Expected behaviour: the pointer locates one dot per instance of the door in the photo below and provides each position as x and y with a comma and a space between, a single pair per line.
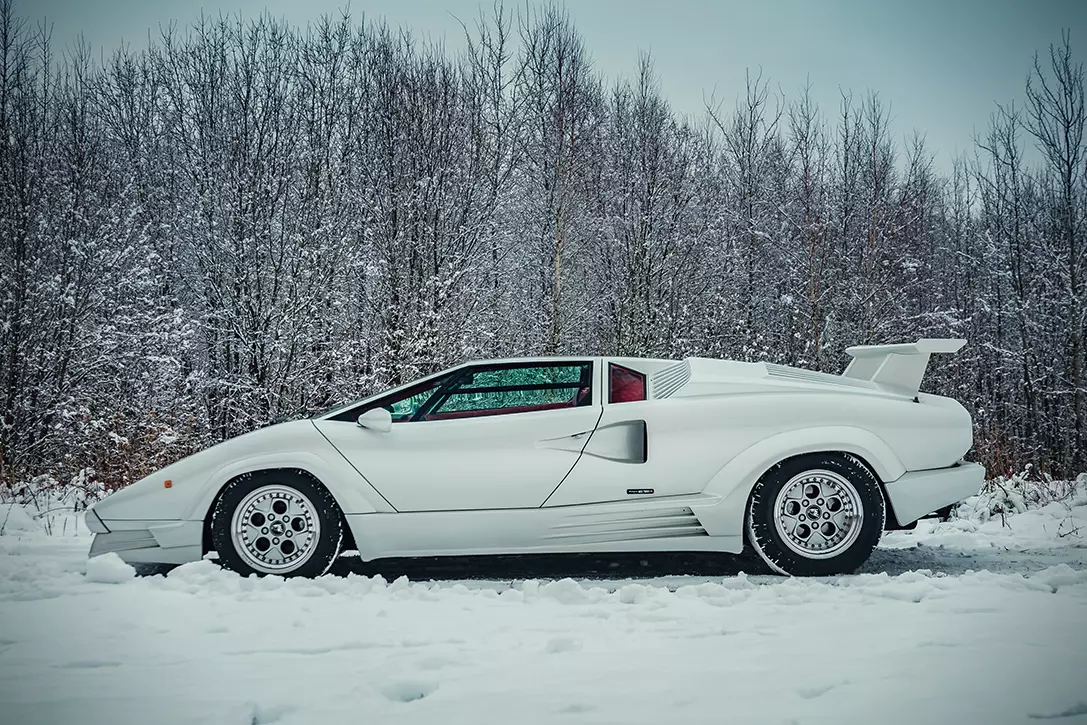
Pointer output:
643, 448
493, 436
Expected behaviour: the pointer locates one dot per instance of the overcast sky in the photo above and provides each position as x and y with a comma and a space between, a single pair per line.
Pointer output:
940, 64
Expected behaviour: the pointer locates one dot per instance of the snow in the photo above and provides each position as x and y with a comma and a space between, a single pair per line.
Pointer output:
967, 621
15, 519
109, 569
1056, 524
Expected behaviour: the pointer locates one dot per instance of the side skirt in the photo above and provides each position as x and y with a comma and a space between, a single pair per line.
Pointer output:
650, 525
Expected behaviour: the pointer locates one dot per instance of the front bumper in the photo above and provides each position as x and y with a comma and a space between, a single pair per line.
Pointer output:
149, 542
919, 493
94, 522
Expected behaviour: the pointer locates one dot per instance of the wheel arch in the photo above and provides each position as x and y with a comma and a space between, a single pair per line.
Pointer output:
889, 521
735, 481
206, 536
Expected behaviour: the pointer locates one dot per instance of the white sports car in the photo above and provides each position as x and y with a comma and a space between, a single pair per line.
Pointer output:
577, 454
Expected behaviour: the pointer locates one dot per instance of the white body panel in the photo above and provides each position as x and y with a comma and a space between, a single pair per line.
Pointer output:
497, 462
654, 525
672, 472
196, 480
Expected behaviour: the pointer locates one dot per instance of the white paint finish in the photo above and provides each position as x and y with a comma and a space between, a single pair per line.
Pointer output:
116, 525
621, 442
898, 367
488, 485
376, 419
687, 444
693, 440
734, 482
492, 462
571, 443
156, 555
645, 365
922, 492
665, 382
183, 533
136, 549
122, 541
197, 479
638, 525
94, 524
931, 433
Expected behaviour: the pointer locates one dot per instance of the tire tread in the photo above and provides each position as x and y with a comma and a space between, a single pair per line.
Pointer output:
762, 534
332, 523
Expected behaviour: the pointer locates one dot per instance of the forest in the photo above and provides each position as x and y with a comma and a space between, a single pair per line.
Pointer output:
248, 220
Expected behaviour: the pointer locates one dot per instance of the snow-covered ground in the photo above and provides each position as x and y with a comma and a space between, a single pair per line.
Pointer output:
969, 621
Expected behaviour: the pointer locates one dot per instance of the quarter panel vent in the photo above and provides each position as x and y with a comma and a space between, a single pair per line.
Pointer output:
666, 381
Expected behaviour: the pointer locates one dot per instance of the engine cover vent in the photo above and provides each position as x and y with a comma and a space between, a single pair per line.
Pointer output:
812, 376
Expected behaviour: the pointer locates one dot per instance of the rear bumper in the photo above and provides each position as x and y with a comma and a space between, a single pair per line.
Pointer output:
919, 493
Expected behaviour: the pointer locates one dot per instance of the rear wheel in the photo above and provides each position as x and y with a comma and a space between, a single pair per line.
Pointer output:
816, 515
277, 522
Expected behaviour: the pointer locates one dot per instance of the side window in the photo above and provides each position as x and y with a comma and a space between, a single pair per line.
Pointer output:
408, 403
518, 388
403, 404
625, 385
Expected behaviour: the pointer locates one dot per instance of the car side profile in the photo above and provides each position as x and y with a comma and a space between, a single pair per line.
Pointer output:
571, 455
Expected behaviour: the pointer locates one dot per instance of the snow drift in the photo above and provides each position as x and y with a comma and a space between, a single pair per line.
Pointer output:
976, 619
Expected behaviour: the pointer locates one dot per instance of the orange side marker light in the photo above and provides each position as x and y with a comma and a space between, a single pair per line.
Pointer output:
168, 483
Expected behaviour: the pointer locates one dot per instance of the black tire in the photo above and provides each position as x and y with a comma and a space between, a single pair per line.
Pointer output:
838, 470
314, 503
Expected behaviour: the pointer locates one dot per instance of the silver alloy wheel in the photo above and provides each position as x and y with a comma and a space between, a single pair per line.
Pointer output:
275, 529
818, 514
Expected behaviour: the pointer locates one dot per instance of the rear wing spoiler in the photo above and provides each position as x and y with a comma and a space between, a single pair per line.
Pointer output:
900, 367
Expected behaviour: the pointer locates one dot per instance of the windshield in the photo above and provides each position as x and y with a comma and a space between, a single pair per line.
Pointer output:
350, 410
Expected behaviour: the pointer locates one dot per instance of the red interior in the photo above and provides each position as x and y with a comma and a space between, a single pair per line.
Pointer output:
625, 385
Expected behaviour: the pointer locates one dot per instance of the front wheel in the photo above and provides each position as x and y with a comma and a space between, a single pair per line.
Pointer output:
277, 522
816, 515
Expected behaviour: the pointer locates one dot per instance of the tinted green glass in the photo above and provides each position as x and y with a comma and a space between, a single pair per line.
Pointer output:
474, 395
405, 409
405, 404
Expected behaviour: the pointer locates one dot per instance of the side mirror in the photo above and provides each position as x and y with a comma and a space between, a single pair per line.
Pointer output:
377, 419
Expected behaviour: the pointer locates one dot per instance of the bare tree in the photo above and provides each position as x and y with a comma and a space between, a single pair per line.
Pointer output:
1056, 120
250, 220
